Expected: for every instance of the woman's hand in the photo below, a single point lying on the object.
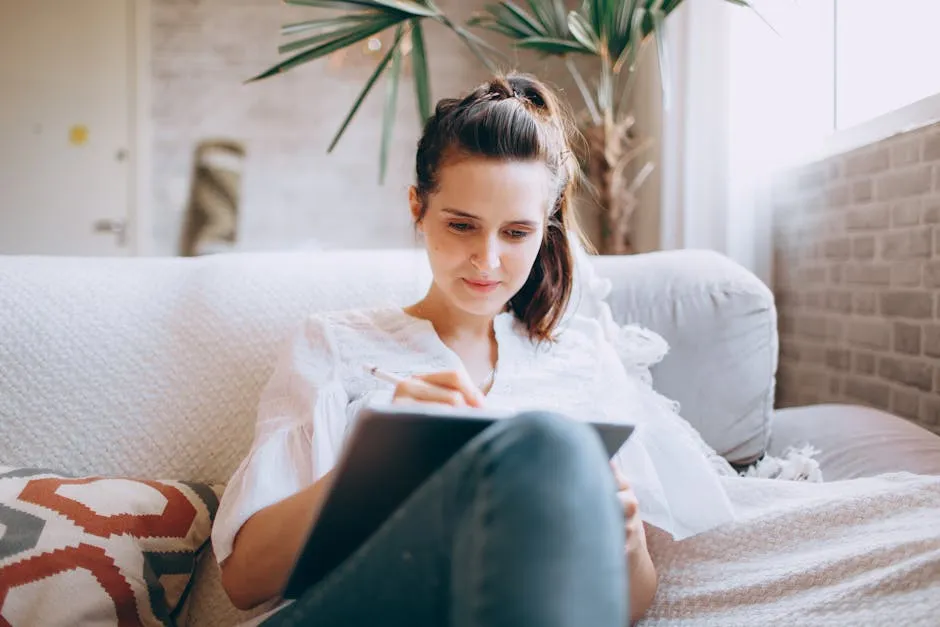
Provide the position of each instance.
(452, 387)
(636, 535)
(643, 578)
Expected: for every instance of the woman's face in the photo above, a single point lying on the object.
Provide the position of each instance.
(483, 229)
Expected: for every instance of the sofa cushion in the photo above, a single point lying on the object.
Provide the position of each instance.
(98, 550)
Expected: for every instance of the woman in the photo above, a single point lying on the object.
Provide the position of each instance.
(526, 525)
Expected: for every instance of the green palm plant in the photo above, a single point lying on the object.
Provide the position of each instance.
(612, 32)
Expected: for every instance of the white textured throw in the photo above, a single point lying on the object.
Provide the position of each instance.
(858, 552)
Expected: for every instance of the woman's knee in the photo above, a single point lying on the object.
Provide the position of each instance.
(542, 511)
(552, 446)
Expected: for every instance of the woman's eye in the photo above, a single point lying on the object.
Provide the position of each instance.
(517, 234)
(460, 227)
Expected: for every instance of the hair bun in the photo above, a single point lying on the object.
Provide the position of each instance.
(527, 89)
(499, 89)
(519, 86)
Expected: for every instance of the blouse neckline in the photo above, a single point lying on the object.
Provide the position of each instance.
(502, 329)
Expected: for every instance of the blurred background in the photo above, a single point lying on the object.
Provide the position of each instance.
(130, 127)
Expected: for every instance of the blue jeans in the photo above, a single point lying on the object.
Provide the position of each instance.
(520, 528)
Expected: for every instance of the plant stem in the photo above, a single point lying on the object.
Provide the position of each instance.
(606, 89)
(583, 88)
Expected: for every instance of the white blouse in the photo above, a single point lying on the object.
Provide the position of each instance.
(319, 385)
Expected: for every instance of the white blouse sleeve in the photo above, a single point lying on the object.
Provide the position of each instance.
(301, 422)
(665, 460)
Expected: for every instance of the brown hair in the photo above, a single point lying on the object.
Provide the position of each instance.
(515, 118)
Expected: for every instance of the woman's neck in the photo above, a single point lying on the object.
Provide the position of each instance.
(449, 321)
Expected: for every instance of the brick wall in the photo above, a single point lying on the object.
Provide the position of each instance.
(294, 193)
(857, 278)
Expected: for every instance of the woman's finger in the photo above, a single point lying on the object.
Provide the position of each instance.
(622, 483)
(456, 380)
(628, 503)
(418, 390)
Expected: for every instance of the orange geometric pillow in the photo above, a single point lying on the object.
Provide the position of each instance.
(98, 550)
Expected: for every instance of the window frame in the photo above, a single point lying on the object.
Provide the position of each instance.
(905, 119)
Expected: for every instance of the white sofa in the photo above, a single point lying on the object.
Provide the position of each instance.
(151, 367)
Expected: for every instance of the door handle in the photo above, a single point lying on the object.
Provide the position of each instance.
(116, 227)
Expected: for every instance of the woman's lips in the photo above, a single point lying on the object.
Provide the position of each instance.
(481, 286)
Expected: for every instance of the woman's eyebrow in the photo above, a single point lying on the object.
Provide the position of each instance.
(460, 214)
(463, 214)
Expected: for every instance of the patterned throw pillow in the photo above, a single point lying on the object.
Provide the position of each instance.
(98, 550)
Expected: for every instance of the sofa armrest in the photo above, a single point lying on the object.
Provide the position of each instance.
(855, 441)
(721, 325)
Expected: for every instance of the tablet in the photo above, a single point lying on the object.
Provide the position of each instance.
(391, 451)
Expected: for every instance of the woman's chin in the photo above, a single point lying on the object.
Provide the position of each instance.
(482, 304)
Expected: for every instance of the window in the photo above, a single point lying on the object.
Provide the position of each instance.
(887, 56)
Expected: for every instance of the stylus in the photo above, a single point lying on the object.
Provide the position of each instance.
(378, 373)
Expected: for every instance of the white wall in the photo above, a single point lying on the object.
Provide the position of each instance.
(294, 193)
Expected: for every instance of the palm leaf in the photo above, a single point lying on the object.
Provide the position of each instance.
(325, 4)
(628, 55)
(418, 9)
(748, 4)
(420, 69)
(503, 21)
(543, 27)
(624, 13)
(362, 94)
(335, 33)
(551, 17)
(611, 17)
(614, 30)
(631, 54)
(481, 42)
(326, 23)
(477, 45)
(391, 101)
(407, 7)
(561, 15)
(659, 33)
(582, 30)
(522, 16)
(542, 16)
(551, 46)
(497, 27)
(329, 47)
(620, 28)
(596, 17)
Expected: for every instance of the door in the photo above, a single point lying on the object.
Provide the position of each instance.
(65, 126)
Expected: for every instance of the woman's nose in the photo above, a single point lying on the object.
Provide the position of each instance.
(486, 258)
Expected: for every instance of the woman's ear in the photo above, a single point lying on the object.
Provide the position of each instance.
(414, 200)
